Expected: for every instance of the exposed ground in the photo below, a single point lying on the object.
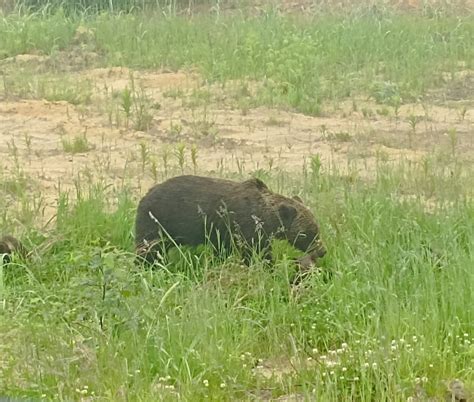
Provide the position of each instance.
(181, 111)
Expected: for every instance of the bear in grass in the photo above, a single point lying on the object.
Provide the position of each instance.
(192, 210)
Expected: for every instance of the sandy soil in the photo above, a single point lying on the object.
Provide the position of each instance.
(183, 109)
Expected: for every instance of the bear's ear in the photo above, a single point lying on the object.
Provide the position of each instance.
(259, 184)
(297, 198)
(287, 214)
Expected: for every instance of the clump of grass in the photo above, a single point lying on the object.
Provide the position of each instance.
(181, 156)
(15, 185)
(338, 136)
(79, 144)
(413, 122)
(204, 128)
(174, 93)
(126, 104)
(137, 106)
(194, 157)
(76, 94)
(453, 140)
(45, 86)
(386, 92)
(144, 155)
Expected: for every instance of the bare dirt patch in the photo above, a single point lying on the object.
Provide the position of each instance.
(193, 127)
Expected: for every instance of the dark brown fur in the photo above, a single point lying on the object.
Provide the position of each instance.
(10, 245)
(185, 207)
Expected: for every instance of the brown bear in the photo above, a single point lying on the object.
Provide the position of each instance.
(192, 210)
(8, 246)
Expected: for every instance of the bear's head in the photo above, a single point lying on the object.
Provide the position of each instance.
(301, 228)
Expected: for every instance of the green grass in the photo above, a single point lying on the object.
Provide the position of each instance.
(78, 144)
(112, 6)
(42, 33)
(81, 319)
(301, 62)
(27, 84)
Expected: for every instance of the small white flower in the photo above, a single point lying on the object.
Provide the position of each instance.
(206, 383)
(356, 378)
(223, 385)
(315, 351)
(344, 369)
(374, 365)
(344, 345)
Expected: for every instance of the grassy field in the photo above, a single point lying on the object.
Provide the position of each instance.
(388, 317)
(300, 62)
